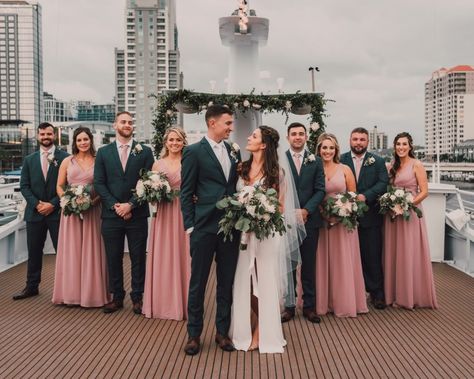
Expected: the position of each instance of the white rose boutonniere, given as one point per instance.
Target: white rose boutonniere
(234, 151)
(137, 149)
(310, 158)
(51, 160)
(370, 161)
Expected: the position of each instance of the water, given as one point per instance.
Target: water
(466, 186)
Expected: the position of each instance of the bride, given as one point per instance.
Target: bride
(261, 278)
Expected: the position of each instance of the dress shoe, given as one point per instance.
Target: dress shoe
(193, 346)
(224, 342)
(25, 293)
(137, 307)
(113, 306)
(379, 304)
(287, 314)
(311, 316)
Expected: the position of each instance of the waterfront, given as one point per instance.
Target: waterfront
(465, 186)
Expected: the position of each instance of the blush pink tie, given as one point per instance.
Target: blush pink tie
(297, 162)
(44, 163)
(124, 155)
(358, 166)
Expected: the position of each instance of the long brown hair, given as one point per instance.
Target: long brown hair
(79, 130)
(271, 167)
(396, 158)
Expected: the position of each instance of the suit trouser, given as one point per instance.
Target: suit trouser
(204, 248)
(308, 270)
(114, 231)
(36, 233)
(370, 242)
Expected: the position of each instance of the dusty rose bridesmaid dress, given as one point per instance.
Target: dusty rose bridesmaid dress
(339, 280)
(81, 270)
(408, 275)
(168, 265)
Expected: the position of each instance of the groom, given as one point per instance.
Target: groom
(208, 173)
(116, 172)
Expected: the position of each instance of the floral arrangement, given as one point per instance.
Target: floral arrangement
(398, 202)
(252, 209)
(76, 200)
(310, 158)
(167, 108)
(234, 152)
(51, 160)
(153, 187)
(345, 208)
(369, 161)
(137, 149)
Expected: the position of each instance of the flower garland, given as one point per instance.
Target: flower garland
(167, 109)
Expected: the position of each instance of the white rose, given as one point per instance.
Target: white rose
(399, 193)
(140, 189)
(235, 147)
(169, 112)
(251, 210)
(256, 106)
(288, 105)
(410, 198)
(353, 194)
(236, 105)
(210, 103)
(246, 103)
(266, 217)
(138, 147)
(314, 126)
(393, 197)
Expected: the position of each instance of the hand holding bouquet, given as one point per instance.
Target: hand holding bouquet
(398, 202)
(76, 200)
(153, 187)
(252, 209)
(344, 208)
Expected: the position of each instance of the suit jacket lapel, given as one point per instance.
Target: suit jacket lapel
(37, 166)
(232, 161)
(362, 165)
(211, 153)
(293, 167)
(130, 155)
(350, 162)
(115, 155)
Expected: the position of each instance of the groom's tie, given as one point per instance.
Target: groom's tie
(223, 158)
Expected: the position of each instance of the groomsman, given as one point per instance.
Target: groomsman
(38, 186)
(308, 174)
(116, 172)
(208, 173)
(372, 180)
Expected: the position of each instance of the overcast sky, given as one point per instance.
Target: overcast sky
(374, 56)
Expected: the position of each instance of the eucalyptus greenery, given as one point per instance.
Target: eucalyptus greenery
(166, 111)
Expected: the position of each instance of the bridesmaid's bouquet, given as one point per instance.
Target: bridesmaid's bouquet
(345, 208)
(153, 187)
(398, 202)
(252, 209)
(76, 200)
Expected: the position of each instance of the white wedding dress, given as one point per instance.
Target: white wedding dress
(258, 267)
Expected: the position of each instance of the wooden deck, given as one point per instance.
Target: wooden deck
(40, 340)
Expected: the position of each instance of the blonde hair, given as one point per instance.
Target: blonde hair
(181, 134)
(331, 137)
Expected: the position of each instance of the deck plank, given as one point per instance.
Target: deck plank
(41, 340)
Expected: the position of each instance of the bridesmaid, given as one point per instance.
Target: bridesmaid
(407, 264)
(168, 265)
(80, 275)
(339, 280)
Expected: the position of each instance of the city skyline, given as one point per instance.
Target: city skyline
(374, 58)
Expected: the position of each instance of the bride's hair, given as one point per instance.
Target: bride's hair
(271, 167)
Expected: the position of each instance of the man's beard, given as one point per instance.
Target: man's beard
(125, 134)
(359, 151)
(46, 143)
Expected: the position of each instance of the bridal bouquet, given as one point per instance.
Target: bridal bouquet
(398, 202)
(345, 208)
(153, 187)
(76, 200)
(252, 209)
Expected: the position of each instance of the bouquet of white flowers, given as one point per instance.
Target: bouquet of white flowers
(76, 200)
(252, 209)
(153, 187)
(345, 208)
(398, 202)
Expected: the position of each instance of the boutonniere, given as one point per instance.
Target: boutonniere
(51, 160)
(310, 158)
(370, 161)
(234, 151)
(137, 149)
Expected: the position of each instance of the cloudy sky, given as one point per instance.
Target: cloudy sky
(374, 56)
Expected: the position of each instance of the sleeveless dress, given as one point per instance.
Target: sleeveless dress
(339, 279)
(168, 265)
(258, 268)
(81, 270)
(408, 275)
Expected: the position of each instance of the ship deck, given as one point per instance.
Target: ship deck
(41, 340)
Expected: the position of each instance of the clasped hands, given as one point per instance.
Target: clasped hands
(123, 210)
(44, 208)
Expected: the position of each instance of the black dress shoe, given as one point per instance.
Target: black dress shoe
(287, 314)
(25, 293)
(193, 346)
(379, 304)
(137, 307)
(311, 316)
(224, 342)
(113, 306)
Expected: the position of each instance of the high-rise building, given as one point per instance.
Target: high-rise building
(377, 140)
(56, 110)
(21, 62)
(88, 111)
(449, 109)
(149, 64)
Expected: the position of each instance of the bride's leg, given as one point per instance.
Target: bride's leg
(254, 320)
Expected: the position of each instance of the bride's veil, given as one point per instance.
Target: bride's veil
(295, 230)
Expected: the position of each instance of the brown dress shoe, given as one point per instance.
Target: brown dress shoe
(379, 304)
(287, 315)
(224, 342)
(193, 346)
(25, 293)
(113, 306)
(137, 307)
(311, 316)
